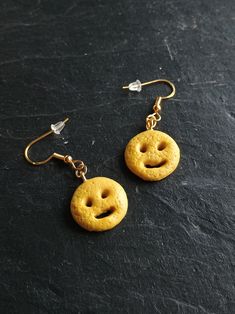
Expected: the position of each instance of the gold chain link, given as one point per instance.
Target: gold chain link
(78, 166)
(152, 119)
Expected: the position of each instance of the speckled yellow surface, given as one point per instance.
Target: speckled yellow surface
(99, 204)
(152, 155)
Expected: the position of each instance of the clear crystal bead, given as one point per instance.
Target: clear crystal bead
(58, 127)
(135, 86)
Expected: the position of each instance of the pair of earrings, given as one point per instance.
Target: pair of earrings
(100, 203)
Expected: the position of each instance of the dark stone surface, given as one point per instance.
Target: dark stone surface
(174, 252)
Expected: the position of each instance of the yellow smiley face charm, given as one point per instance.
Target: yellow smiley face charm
(152, 155)
(99, 204)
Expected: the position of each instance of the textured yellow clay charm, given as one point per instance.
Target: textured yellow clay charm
(99, 204)
(152, 155)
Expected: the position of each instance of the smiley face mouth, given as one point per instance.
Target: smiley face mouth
(105, 213)
(155, 165)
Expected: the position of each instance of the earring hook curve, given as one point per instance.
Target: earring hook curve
(55, 128)
(137, 86)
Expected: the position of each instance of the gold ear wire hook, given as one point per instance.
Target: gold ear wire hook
(77, 165)
(137, 86)
(54, 155)
(152, 119)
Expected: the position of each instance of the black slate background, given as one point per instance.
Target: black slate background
(174, 251)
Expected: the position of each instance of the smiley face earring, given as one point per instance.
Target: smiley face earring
(152, 155)
(98, 204)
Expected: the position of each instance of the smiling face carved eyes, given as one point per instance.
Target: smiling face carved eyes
(99, 204)
(152, 155)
